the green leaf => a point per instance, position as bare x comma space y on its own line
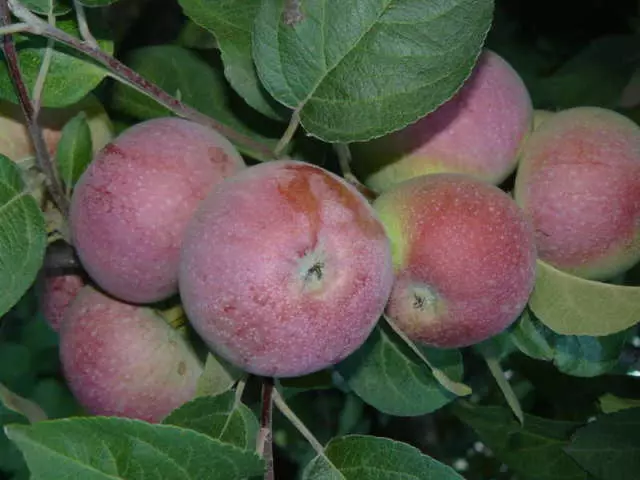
10, 457
109, 447
533, 450
231, 21
388, 375
571, 305
194, 36
609, 447
25, 407
356, 457
23, 236
610, 403
218, 376
577, 355
358, 69
530, 337
221, 417
584, 356
71, 76
97, 3
183, 74
74, 151
42, 6
597, 76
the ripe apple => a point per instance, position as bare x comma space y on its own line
130, 207
479, 132
125, 360
285, 269
464, 258
579, 183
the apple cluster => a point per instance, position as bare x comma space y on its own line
284, 268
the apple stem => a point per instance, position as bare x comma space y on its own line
344, 159
299, 424
83, 26
42, 154
127, 76
294, 123
265, 436
491, 359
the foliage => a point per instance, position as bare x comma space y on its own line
555, 396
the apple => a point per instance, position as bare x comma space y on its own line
56, 294
130, 207
579, 183
285, 269
464, 258
540, 116
479, 132
125, 360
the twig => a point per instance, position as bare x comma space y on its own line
299, 424
14, 28
265, 436
83, 26
42, 153
44, 66
122, 73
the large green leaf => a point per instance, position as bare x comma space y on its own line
578, 355
221, 417
106, 447
23, 236
43, 6
533, 450
231, 21
70, 77
570, 305
358, 69
188, 78
358, 457
386, 374
609, 447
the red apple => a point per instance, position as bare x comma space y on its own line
464, 258
125, 360
479, 132
285, 269
579, 183
56, 294
131, 206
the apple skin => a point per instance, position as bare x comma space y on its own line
285, 269
56, 294
125, 360
130, 207
540, 116
15, 141
479, 131
464, 258
579, 183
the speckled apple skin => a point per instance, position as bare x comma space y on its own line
479, 131
56, 294
125, 360
246, 271
464, 257
579, 183
131, 206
